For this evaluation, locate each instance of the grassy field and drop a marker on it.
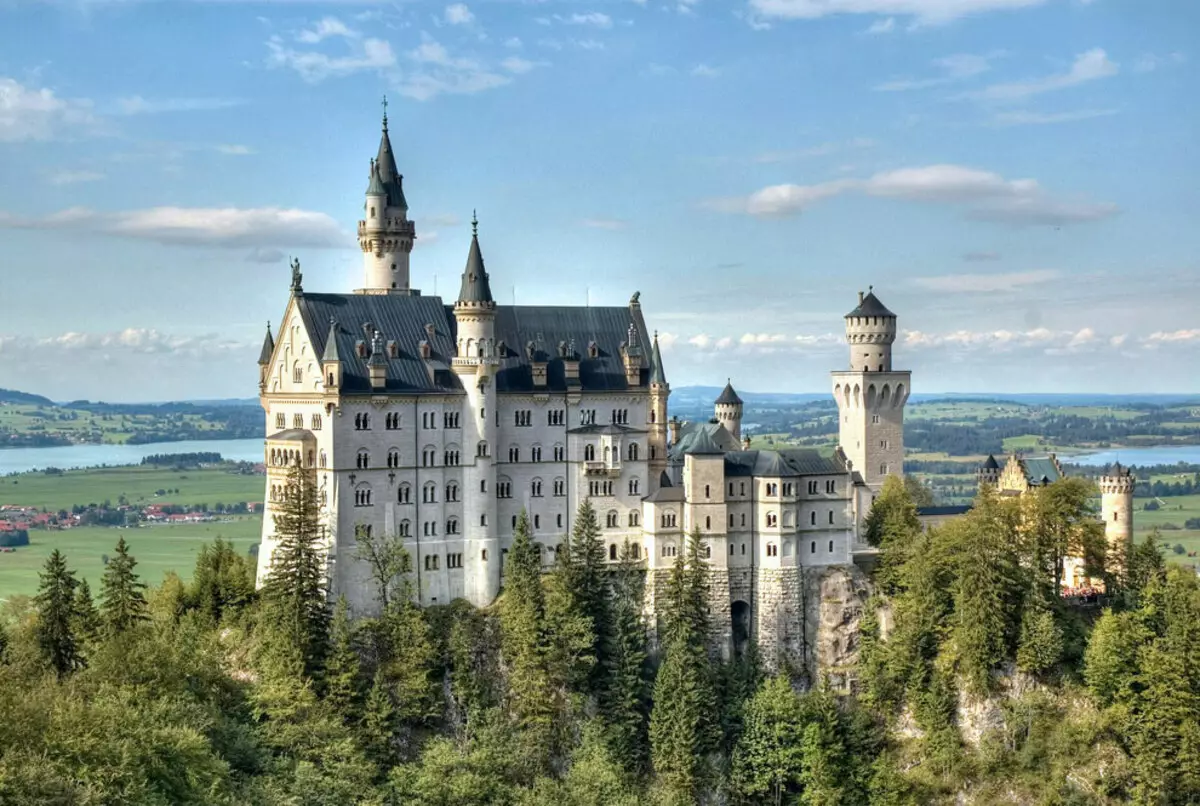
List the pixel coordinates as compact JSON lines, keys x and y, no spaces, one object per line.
{"x":157,"y":549}
{"x":137,"y":483}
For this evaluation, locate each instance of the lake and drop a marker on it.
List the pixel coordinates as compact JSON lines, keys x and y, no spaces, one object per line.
{"x":19,"y":460}
{"x":1167,"y":455}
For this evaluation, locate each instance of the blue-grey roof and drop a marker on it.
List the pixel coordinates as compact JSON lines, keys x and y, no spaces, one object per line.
{"x":331,"y":349}
{"x":947,"y":510}
{"x":665,"y":494}
{"x":690,"y":432}
{"x":728,"y":396}
{"x":782,"y":463}
{"x":375,"y":186}
{"x":612,"y":429}
{"x":389,"y":174}
{"x":870,"y":306}
{"x":475,"y":286}
{"x":403,"y":319}
{"x":268,"y":348}
{"x":558,"y":326}
{"x":1040,"y":471}
{"x":991,"y":463}
{"x":657,"y":374}
{"x":704,"y":445}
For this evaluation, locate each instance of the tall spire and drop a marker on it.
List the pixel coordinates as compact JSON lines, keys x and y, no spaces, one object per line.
{"x":475,"y":286}
{"x":268,"y":348}
{"x":331,"y":348}
{"x":385,"y":164}
{"x":657,"y":374}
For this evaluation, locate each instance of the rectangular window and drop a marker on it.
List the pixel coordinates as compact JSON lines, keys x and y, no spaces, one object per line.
{"x":812,"y":487}
{"x":830,"y":486}
{"x":874,"y":419}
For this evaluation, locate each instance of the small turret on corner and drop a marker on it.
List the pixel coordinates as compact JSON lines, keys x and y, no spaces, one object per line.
{"x":988,"y":472}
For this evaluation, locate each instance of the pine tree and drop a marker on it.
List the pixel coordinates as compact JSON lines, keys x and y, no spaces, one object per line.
{"x":296,"y":609}
{"x":624,"y":699}
{"x":892,"y":525}
{"x":56,"y":615}
{"x":583,"y":571}
{"x":87,"y":619}
{"x":523,"y":624}
{"x":379,"y":722}
{"x":223,"y":581}
{"x":768,"y":760}
{"x":1041,"y":644}
{"x":1061,"y":522}
{"x":343,"y":683}
{"x":1145,"y":565}
{"x":412,"y":661}
{"x":1111,"y":661}
{"x":825,"y":763}
{"x":122,"y":601}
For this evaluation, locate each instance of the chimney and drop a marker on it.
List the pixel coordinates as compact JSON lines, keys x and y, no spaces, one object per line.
{"x":674,"y":424}
{"x":860,"y":298}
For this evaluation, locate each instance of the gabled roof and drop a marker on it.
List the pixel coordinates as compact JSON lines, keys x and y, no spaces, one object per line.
{"x":728,"y":396}
{"x":475,"y":286}
{"x":704,"y":445}
{"x":789,"y":462}
{"x":1040,"y":471}
{"x":268,"y":348}
{"x":870,"y":305}
{"x":690,"y":432}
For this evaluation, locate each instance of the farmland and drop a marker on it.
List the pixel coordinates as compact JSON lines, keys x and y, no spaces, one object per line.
{"x":135,"y":484}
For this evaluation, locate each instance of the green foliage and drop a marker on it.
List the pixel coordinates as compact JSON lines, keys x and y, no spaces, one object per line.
{"x":1061,"y":522}
{"x":1111,"y":662}
{"x":122,"y":597}
{"x":625,"y":695}
{"x":296,"y":612}
{"x":87,"y":618}
{"x":1041,"y":643}
{"x":343,"y":673}
{"x":768,"y":761}
{"x":57,"y":616}
{"x":893,"y":527}
{"x":581,"y":575}
{"x":378,"y":729}
{"x":595,"y":777}
{"x":223,"y":581}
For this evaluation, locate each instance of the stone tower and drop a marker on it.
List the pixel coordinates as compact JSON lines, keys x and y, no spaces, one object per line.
{"x":660,"y":391}
{"x":264,"y":360}
{"x":988,"y":472}
{"x":385,"y":234}
{"x":476,"y":364}
{"x":1116,"y":507}
{"x":728,"y":410}
{"x":871,"y":395}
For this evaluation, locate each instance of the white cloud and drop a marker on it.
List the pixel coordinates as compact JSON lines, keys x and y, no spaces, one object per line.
{"x":74,"y":177}
{"x":987,"y":196}
{"x":1088,"y":66}
{"x":27,"y":113}
{"x":591,"y":18}
{"x":134,"y":341}
{"x":1025,"y":118}
{"x":985,"y":283}
{"x":757,"y":343}
{"x":605,"y":223}
{"x":704,"y":71}
{"x":882,"y":25}
{"x":1161,"y":337}
{"x":264,"y":254}
{"x":517,"y":65}
{"x":956,"y":67}
{"x":923,"y":11}
{"x":324,"y":29}
{"x":1003,"y":341}
{"x":458,"y":14}
{"x":137,"y":105}
{"x":314,"y":66}
{"x":439,"y":72}
{"x":198,"y":226}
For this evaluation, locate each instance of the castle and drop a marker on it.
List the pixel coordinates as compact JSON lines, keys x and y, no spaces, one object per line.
{"x":439,"y":422}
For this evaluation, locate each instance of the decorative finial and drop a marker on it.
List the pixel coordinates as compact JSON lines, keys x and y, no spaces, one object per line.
{"x":474,"y":224}
{"x":385,"y":113}
{"x":870,"y":289}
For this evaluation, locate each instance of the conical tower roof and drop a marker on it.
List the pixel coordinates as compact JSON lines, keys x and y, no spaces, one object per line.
{"x":869,"y":305}
{"x":375,"y":186}
{"x":385,"y":164}
{"x":331,"y":348}
{"x":728,"y":396}
{"x":657,"y":374}
{"x":991,"y":463}
{"x":475,"y":286}
{"x":268,"y":348}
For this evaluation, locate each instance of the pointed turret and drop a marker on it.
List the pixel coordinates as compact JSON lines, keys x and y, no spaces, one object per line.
{"x":728,"y":409}
{"x":385,"y":234}
{"x":331,"y":359}
{"x":385,"y":163}
{"x":331,"y":348}
{"x":728,"y":396}
{"x":375,"y":186}
{"x":475,"y":287}
{"x":657,"y":373}
{"x":268,"y":348}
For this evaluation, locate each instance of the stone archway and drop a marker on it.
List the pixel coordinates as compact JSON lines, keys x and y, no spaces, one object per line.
{"x":739,"y":613}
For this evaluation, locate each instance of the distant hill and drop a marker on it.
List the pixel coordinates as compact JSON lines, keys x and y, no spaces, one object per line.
{"x":705,"y":395}
{"x":24,"y":398}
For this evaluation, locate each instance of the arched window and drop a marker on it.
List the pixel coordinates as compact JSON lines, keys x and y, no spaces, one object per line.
{"x":404,"y":494}
{"x":364,"y":459}
{"x":362,"y":495}
{"x":730,"y":520}
{"x":589,"y":453}
{"x":812,"y":518}
{"x":634,"y":519}
{"x":610,"y":520}
{"x":772,"y":519}
{"x":393,"y":458}
{"x":708,"y":552}
{"x":612,"y":551}
{"x":452,"y":491}
{"x":406,"y":528}
{"x":707,"y":522}
{"x":481,"y":450}
{"x":429,"y":493}
{"x":535,"y":488}
{"x":633,"y":451}
{"x":452,"y":526}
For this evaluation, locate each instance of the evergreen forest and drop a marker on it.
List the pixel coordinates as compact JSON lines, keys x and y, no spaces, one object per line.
{"x":976,"y":681}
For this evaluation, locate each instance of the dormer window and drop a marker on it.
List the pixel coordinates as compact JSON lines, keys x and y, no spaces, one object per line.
{"x":593,"y":350}
{"x":360,"y":348}
{"x":393,"y":349}
{"x":425,"y":349}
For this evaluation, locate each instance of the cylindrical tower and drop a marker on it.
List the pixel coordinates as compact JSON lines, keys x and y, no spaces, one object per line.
{"x":870,"y":332}
{"x":476,"y":364}
{"x":728,"y":410}
{"x":1116,"y":508}
{"x":385,"y":234}
{"x":660,"y":391}
{"x":988,"y":472}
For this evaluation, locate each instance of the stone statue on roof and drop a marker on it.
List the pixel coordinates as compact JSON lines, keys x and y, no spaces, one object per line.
{"x":297,"y":277}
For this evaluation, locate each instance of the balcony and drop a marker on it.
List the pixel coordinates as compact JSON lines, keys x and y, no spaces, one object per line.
{"x":599,"y":468}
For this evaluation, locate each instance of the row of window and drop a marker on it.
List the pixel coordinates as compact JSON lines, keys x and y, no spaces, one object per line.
{"x":522,"y":418}
{"x":298,"y":421}
{"x":772,"y":488}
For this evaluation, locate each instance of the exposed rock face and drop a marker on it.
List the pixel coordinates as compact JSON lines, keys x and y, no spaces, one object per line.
{"x":834,"y":615}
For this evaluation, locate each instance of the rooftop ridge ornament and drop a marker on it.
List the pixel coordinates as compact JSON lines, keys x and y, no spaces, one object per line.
{"x":474,"y":224}
{"x":385,"y":128}
{"x":297,"y":277}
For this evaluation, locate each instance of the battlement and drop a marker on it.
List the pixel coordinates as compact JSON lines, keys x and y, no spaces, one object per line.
{"x":1119,"y":482}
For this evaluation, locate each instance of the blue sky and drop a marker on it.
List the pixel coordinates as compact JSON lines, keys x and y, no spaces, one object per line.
{"x":1017,"y":178}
